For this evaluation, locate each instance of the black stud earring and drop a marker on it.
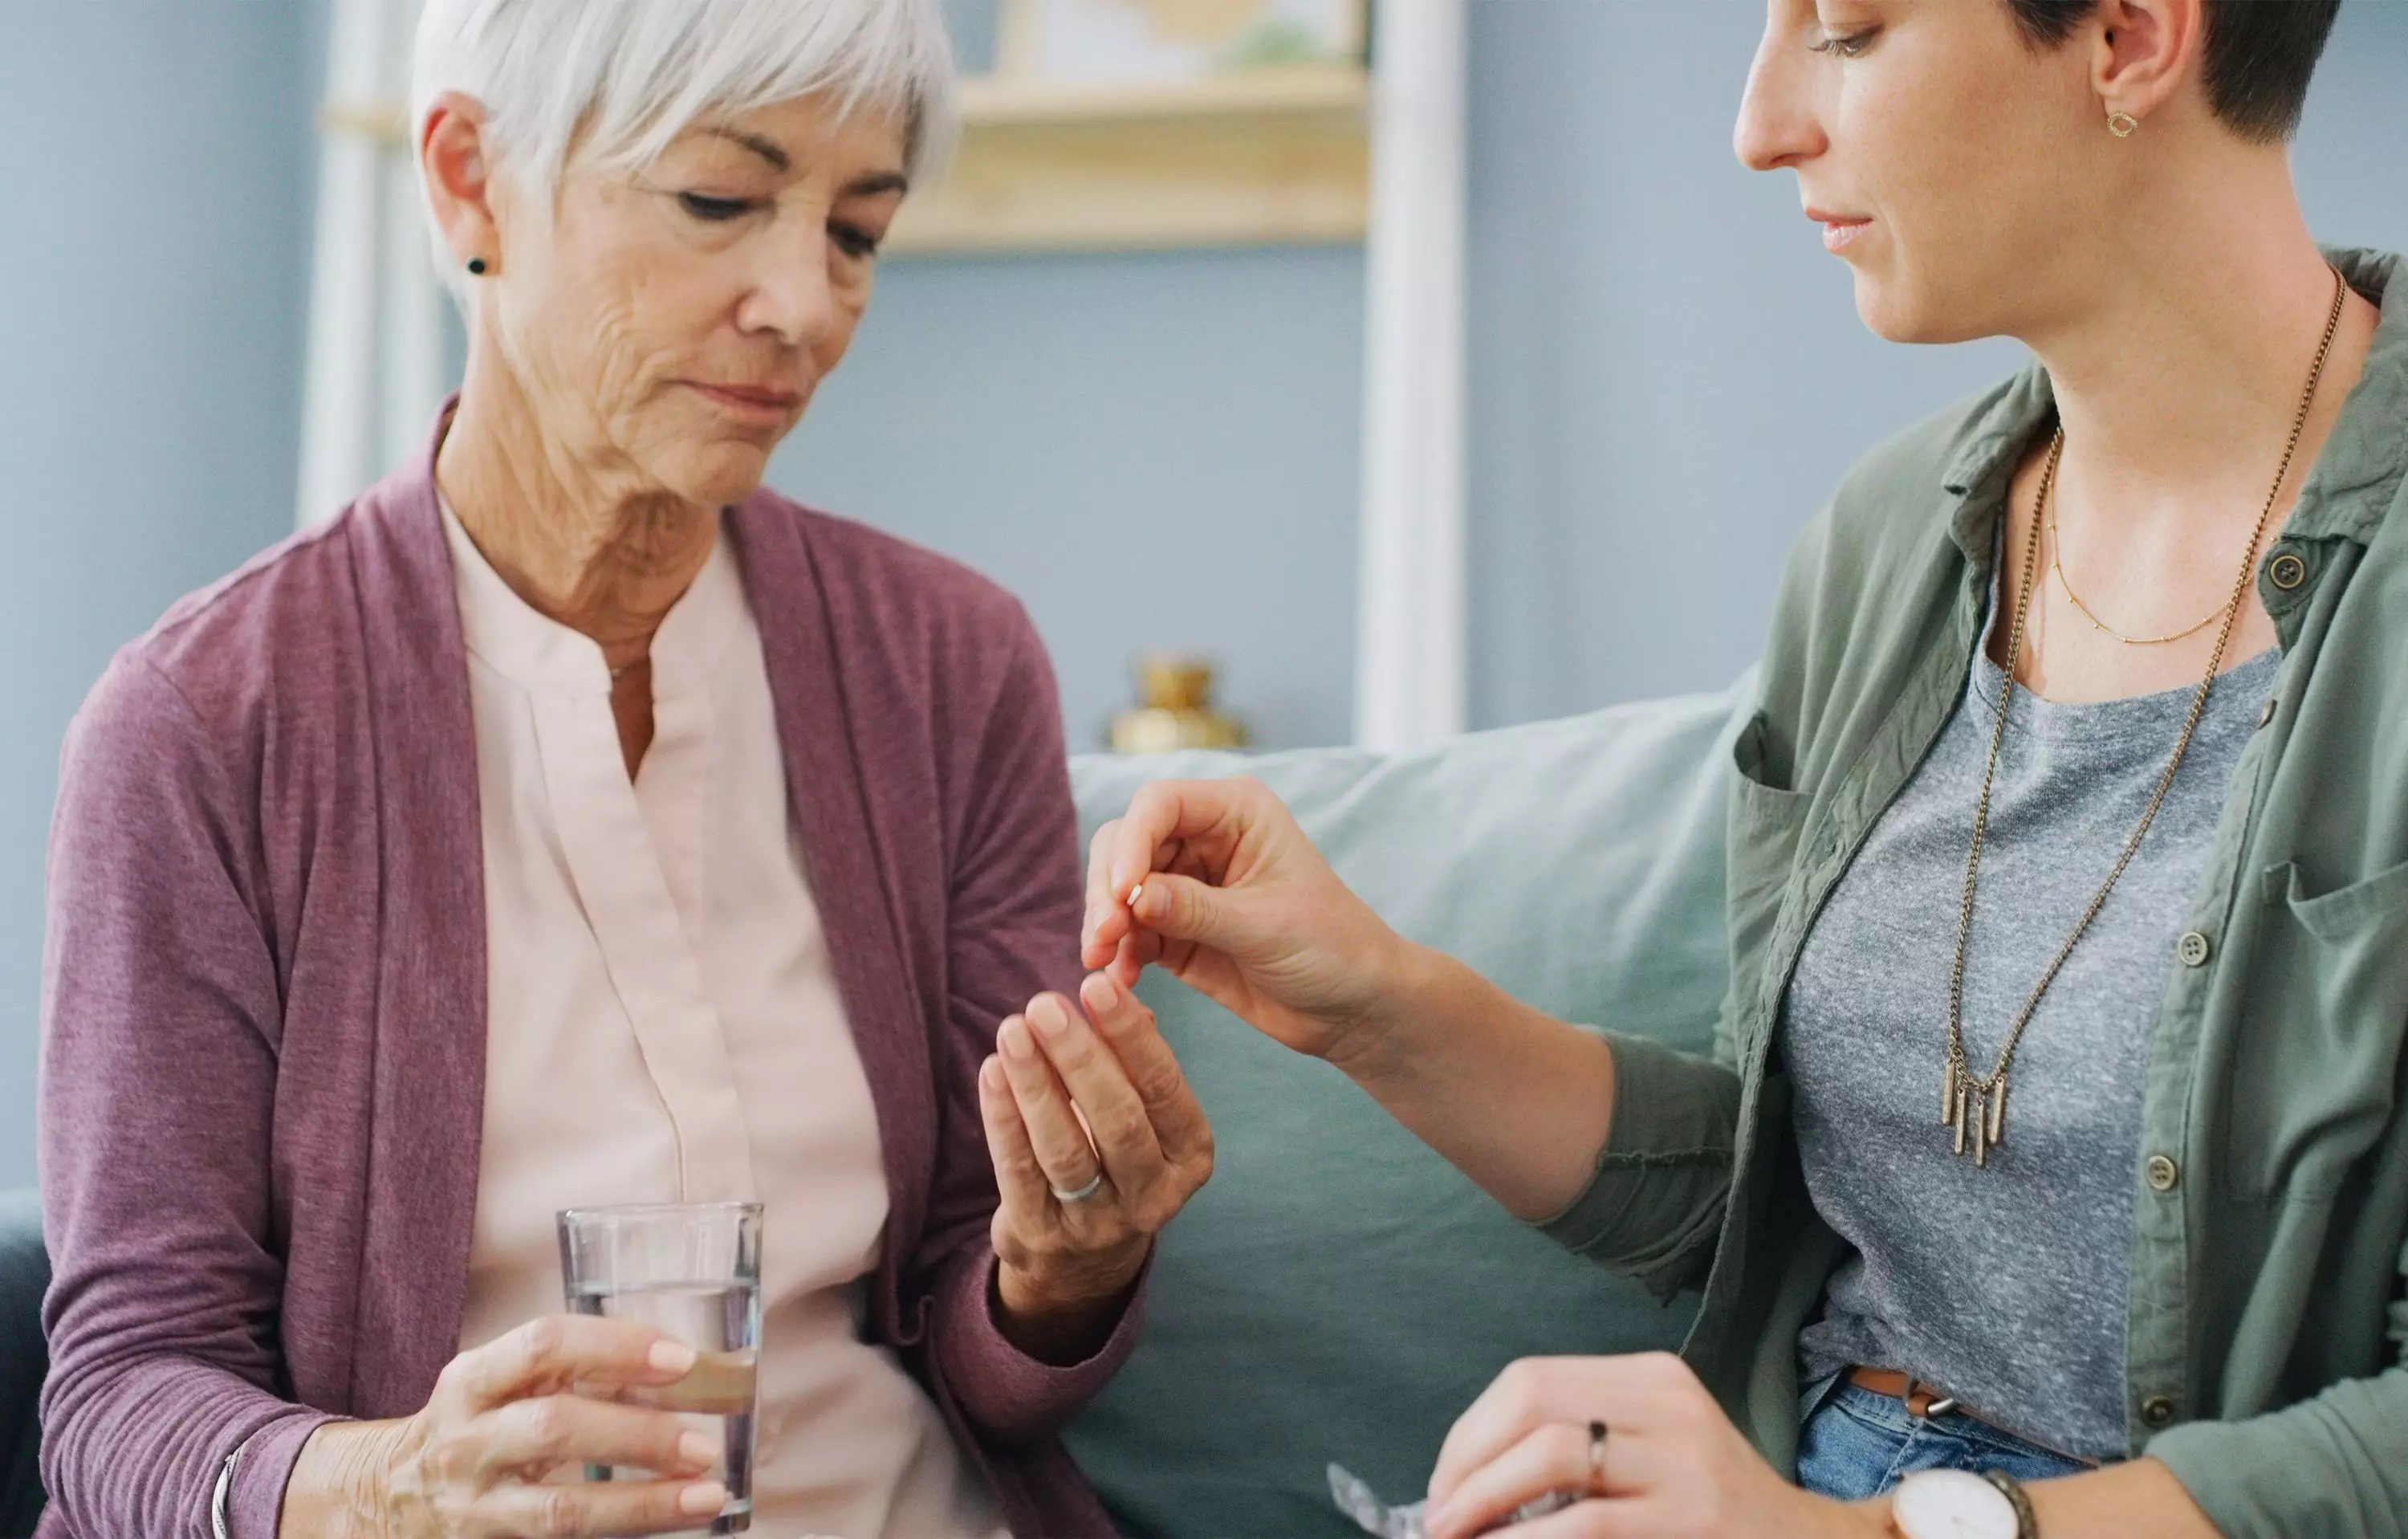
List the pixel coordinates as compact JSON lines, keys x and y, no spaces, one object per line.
{"x":476,"y":266}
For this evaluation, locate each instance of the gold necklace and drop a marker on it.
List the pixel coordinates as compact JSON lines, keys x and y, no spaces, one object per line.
{"x":2056,"y":569}
{"x":1976,"y":1108}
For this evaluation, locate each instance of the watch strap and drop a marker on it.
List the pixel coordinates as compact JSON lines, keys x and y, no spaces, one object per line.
{"x":2026,"y":1526}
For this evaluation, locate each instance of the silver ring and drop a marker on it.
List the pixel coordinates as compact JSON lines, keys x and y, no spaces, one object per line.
{"x":1083,"y":1194}
{"x":1597,"y":1459}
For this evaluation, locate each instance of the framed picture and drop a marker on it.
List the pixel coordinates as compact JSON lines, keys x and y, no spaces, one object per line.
{"x":1122,"y":42}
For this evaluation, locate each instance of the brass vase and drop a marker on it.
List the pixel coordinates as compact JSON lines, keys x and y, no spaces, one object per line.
{"x":1175,"y":708}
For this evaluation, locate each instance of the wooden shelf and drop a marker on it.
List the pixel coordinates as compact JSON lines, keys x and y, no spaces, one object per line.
{"x":988,"y":101}
{"x":1269,"y":157}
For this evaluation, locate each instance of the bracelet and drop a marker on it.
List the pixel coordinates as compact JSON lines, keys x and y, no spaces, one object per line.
{"x":219,"y":1523}
{"x":2027,"y":1525}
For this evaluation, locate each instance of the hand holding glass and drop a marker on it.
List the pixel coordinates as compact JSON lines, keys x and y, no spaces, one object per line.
{"x":692,"y":1272}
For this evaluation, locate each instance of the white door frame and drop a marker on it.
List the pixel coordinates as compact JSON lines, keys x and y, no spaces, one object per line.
{"x":1412,"y":646}
{"x":375,"y":369}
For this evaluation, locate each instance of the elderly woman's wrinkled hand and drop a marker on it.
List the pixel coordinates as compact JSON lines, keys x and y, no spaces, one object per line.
{"x":502,"y":1418}
{"x":1097,"y":1143}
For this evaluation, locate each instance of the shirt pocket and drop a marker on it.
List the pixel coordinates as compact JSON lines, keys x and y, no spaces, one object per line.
{"x":1767,"y":821}
{"x":2316,"y":1066}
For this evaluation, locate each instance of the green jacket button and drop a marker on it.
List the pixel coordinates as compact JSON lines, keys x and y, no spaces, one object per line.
{"x":2163,"y":1173}
{"x":2193,"y":949}
{"x":2157,"y":1411}
{"x":2287,"y":570}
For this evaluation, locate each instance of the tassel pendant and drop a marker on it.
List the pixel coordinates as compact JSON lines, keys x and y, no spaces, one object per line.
{"x":1974,"y":1113}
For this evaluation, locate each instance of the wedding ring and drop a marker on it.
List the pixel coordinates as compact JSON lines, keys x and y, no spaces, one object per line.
{"x":1085,"y":1193}
{"x":1597,"y":1459}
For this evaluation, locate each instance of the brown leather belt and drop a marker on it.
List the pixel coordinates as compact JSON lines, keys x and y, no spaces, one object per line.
{"x":1926,"y":1399}
{"x":1921,"y":1400}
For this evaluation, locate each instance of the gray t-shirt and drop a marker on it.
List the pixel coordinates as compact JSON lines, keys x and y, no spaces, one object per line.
{"x":2007,"y":1285}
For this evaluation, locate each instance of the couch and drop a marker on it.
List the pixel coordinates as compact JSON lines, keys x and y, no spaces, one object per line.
{"x":25,"y":1273}
{"x":1338,"y":1293}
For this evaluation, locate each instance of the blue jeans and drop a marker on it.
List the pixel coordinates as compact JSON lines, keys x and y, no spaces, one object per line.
{"x":1855,"y":1444}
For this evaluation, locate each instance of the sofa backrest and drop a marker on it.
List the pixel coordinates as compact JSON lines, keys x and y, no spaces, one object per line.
{"x":24,"y":1275}
{"x":1338,"y":1293}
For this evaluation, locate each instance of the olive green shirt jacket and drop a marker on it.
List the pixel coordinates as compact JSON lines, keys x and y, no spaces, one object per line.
{"x":2266,"y":1336}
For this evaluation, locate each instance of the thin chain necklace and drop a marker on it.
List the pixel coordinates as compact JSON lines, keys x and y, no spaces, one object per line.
{"x":1976,"y":1108}
{"x":2056,"y":569}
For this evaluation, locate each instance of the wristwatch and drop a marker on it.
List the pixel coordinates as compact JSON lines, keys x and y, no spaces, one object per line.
{"x":1957,"y":1504}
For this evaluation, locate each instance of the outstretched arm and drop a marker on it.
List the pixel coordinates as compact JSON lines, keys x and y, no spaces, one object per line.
{"x":1214,"y":881}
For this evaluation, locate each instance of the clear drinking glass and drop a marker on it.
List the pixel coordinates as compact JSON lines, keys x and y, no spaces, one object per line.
{"x":692,"y":1272}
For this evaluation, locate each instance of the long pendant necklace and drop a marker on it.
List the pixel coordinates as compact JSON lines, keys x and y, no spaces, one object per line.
{"x":1972,"y":1107}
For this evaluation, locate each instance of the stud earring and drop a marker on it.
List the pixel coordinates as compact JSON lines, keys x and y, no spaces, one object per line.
{"x":476,"y":266}
{"x":2121,"y":124}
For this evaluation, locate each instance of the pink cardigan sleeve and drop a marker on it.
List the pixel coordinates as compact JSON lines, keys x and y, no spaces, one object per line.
{"x":1015,"y":904}
{"x":160,"y":1011}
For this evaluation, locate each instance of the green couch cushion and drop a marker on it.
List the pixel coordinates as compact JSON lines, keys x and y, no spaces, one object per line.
{"x":1339,"y":1292}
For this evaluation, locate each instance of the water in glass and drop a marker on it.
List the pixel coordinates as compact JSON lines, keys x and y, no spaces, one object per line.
{"x":722,"y":1321}
{"x":692,"y":1273}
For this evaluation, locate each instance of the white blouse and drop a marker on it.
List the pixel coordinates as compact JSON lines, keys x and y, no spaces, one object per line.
{"x":665,"y":1027}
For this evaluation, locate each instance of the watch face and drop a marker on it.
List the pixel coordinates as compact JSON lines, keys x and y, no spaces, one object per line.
{"x":1950,"y":1505}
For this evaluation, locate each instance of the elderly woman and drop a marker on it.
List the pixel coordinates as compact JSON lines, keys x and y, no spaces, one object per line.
{"x":2055,"y":1156}
{"x":573,"y":821}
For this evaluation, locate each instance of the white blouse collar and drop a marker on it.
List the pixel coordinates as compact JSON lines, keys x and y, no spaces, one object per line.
{"x":540,"y":653}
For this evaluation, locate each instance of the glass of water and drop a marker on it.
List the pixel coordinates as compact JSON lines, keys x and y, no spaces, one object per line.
{"x":692,"y":1272}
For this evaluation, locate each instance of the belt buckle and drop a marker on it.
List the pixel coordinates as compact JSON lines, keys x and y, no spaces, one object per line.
{"x":1931,"y":1402}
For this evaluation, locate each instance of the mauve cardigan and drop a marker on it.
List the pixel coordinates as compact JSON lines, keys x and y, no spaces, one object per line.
{"x":264,"y":994}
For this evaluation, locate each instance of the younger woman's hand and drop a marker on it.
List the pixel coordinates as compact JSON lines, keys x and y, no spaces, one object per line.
{"x":1214,"y":881}
{"x":1671,"y":1465}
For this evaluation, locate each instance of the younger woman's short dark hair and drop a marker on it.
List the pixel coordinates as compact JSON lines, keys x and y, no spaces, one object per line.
{"x":2260,"y":54}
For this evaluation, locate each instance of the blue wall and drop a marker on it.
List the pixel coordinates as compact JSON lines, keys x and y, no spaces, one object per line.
{"x":1656,"y":326}
{"x":2352,"y":155}
{"x":1667,"y":372}
{"x":156,"y":174}
{"x":1156,"y":450}
{"x":1151,"y":450}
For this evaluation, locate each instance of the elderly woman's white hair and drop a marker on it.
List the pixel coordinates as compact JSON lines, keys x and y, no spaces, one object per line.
{"x":621,"y":80}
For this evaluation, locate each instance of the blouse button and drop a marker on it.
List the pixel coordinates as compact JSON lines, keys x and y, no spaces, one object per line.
{"x":2157,"y":1411}
{"x":2192,"y":950}
{"x":2163,"y":1173}
{"x":2287,"y":570}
